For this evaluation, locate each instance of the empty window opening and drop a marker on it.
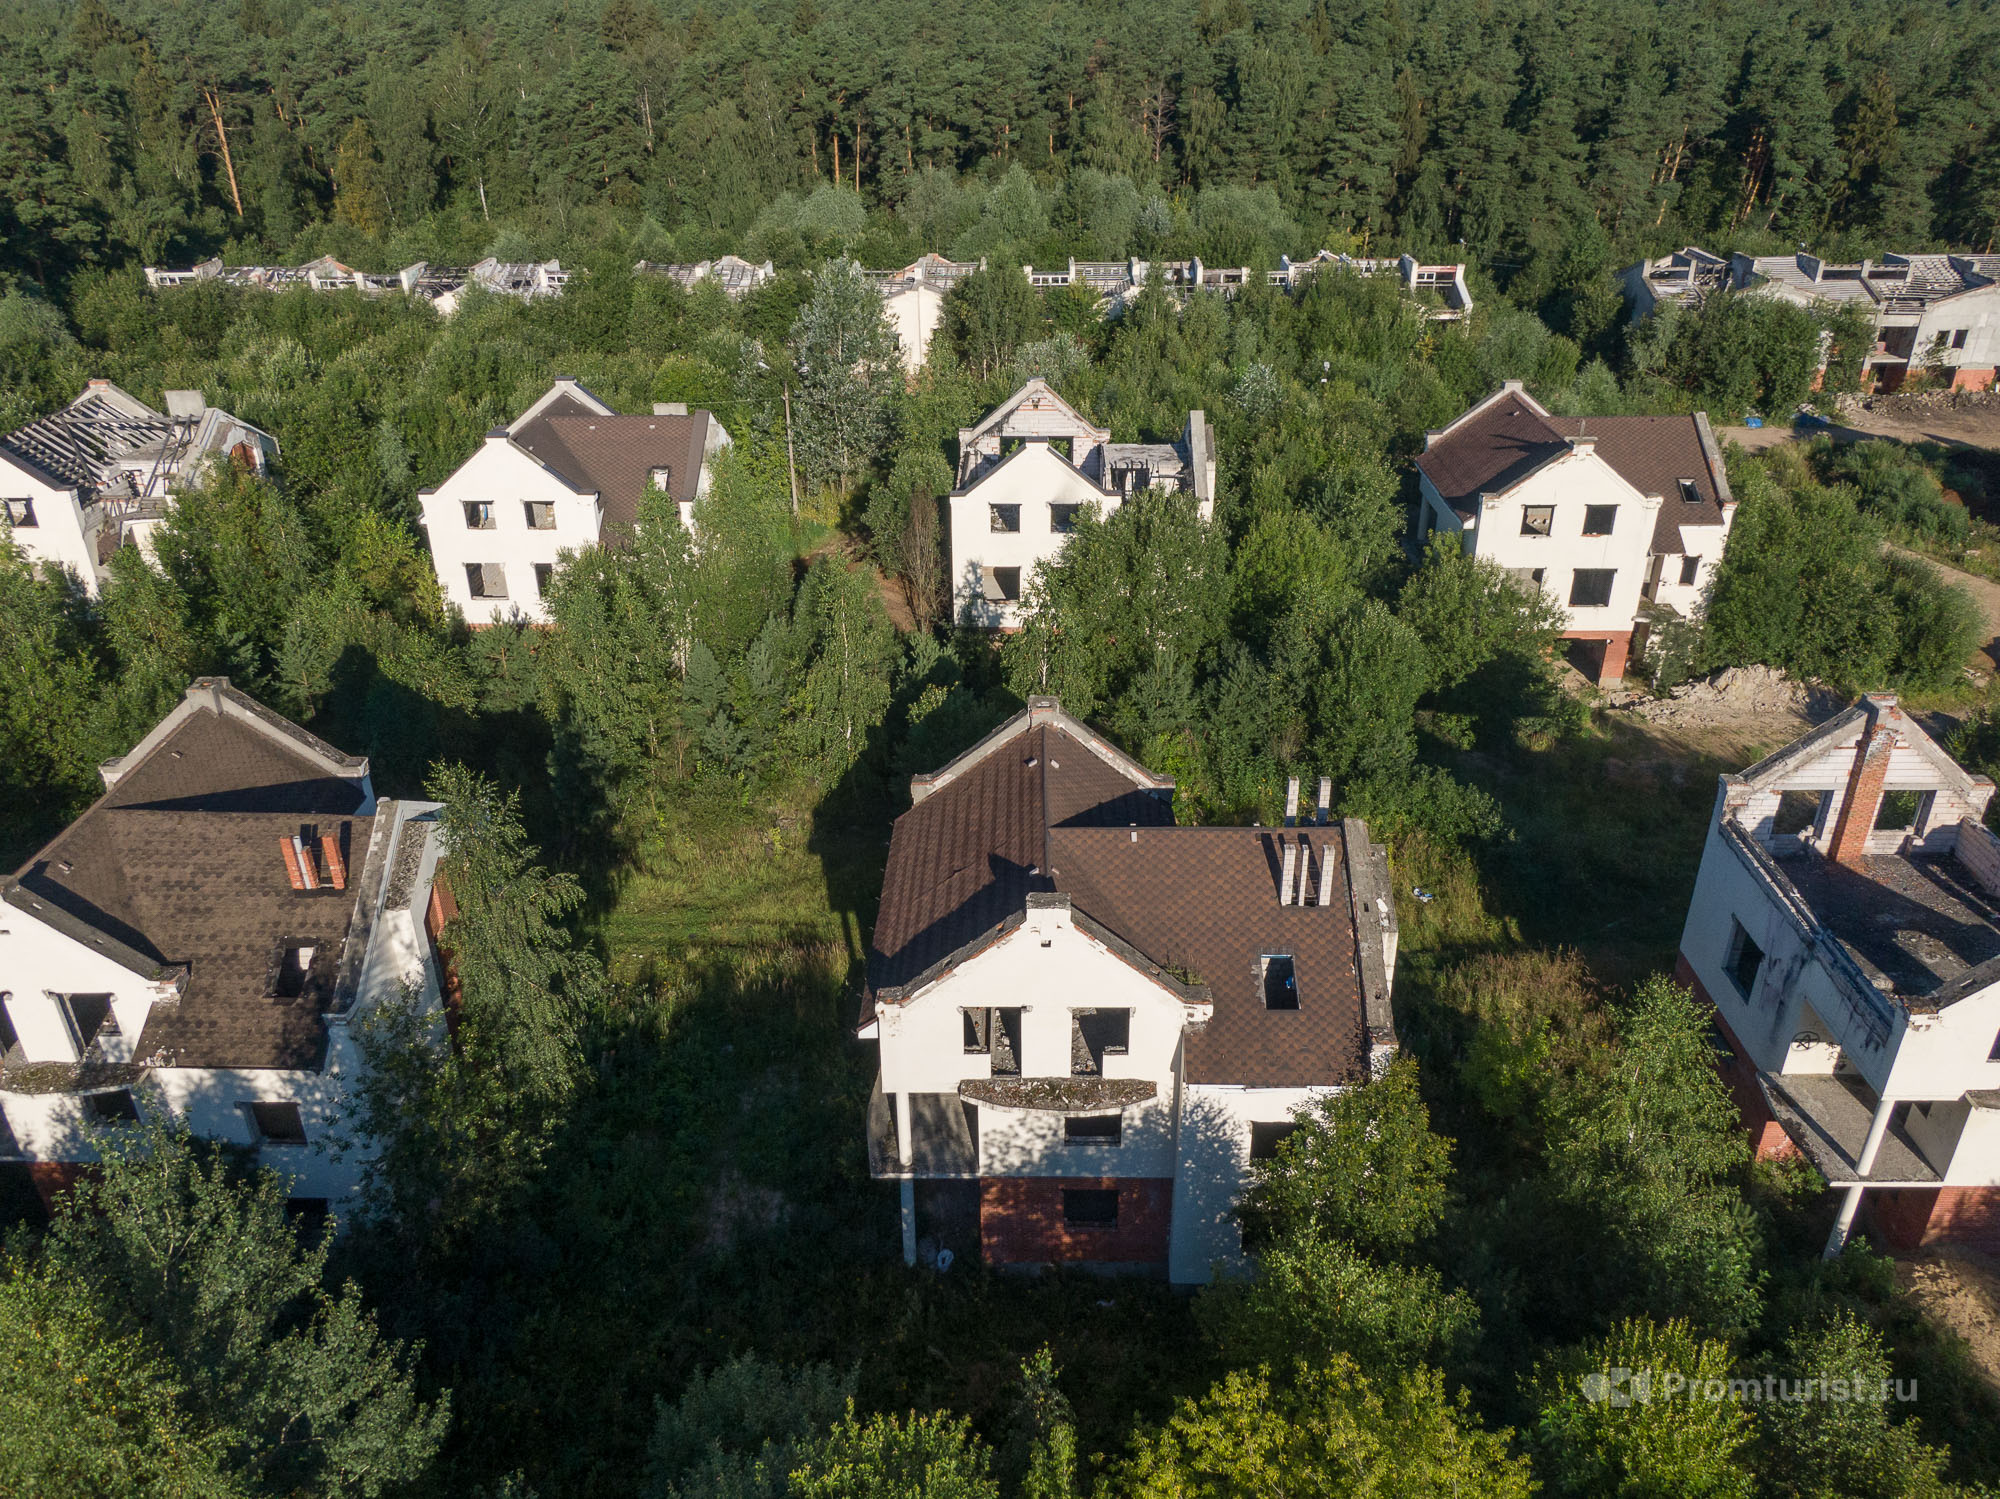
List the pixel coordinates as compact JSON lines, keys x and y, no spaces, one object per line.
{"x":486,"y":580}
{"x":1898,"y":812}
{"x":1994,"y":1054}
{"x":1531,"y":576}
{"x":1093,"y":1129}
{"x":978,"y":1031}
{"x":1745,"y":959}
{"x":1003,"y":584}
{"x":541,"y":514}
{"x":1005,"y":1034}
{"x":1062,"y":518}
{"x":661,"y":479}
{"x":1690,"y":492}
{"x":1958,"y":338}
{"x":545,"y":574}
{"x":1798,"y":812}
{"x":478,"y":515}
{"x":21,"y":514}
{"x":1131,"y":478}
{"x":115,"y":1107}
{"x":1590,"y":587}
{"x":1690,"y":570}
{"x":277,"y":1123}
{"x":294,"y":964}
{"x":1599,"y":519}
{"x":1094,"y":1035}
{"x":1266,"y":1138}
{"x":1090,"y":1207}
{"x":1003,"y":517}
{"x":89,"y":1016}
{"x":1280,"y":981}
{"x":1537,"y":520}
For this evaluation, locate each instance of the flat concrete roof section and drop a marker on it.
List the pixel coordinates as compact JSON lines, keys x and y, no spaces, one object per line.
{"x":1914,"y":924}
{"x":1828,"y":1117}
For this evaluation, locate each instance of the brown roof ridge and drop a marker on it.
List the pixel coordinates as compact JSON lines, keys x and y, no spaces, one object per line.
{"x":1040,"y":712}
{"x":215,"y":695}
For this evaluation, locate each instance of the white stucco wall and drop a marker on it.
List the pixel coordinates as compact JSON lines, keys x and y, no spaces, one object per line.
{"x":1047,"y":968}
{"x":1034,"y":478}
{"x":1570,"y":484}
{"x":58,"y":535}
{"x":915,"y":310}
{"x":38,"y":963}
{"x":508,"y":478}
{"x":1211,"y":1167}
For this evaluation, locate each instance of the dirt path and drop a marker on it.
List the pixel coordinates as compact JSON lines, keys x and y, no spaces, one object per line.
{"x":1985,"y":593}
{"x":1960,"y":1290}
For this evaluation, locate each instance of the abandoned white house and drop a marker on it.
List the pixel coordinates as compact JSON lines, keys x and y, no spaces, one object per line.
{"x":1939,"y":313}
{"x":1116,"y":281}
{"x":81,"y":482}
{"x":1620,"y":519}
{"x":442,"y":286}
{"x":566,"y":474}
{"x":1028,"y":470}
{"x":736,"y":276}
{"x":1091,"y":1020}
{"x":202,"y":940}
{"x":1845,"y":927}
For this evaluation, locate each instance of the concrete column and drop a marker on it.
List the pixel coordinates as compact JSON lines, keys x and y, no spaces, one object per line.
{"x":909,"y":1221}
{"x":1842,"y":1226}
{"x":905,"y":1149}
{"x":1878,"y":1128}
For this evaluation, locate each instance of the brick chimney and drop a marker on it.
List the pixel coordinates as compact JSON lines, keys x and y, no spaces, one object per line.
{"x":1863,"y":801}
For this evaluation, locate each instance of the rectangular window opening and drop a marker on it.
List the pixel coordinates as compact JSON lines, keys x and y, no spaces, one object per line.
{"x":1745,"y":959}
{"x":115,"y":1107}
{"x":1690,"y":570}
{"x":486,"y":580}
{"x":1280,"y":981}
{"x":1994,"y":1054}
{"x":1538,"y":520}
{"x":541,"y":514}
{"x":1062,"y":518}
{"x":294,"y":964}
{"x":1090,"y":1207}
{"x":1798,"y":812}
{"x":1093,"y":1129}
{"x":1266,"y":1138}
{"x":1898,"y":812}
{"x":277,"y":1123}
{"x":545,"y":573}
{"x":1003,"y":517}
{"x":1958,"y":338}
{"x":1005,"y":1035}
{"x":478,"y":515}
{"x":89,"y":1017}
{"x":1003,"y":584}
{"x":978,"y":1031}
{"x":21,"y":514}
{"x":1599,"y":519}
{"x":1590,"y":587}
{"x":1094,"y":1035}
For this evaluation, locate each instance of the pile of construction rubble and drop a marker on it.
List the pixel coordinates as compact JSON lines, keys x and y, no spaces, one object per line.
{"x":1738,"y":693}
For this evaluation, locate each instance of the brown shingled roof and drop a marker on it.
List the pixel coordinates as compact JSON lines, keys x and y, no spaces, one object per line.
{"x":1653,"y":454}
{"x":1038,"y":810}
{"x":615,"y":455}
{"x":177,"y":866}
{"x":1492,"y":450}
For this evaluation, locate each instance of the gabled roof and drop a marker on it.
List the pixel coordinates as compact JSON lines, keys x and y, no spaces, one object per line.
{"x":1021,"y":455}
{"x":1044,"y":806}
{"x":1509,"y":436}
{"x":614,"y":456}
{"x":175,"y":873}
{"x":1041,"y":396}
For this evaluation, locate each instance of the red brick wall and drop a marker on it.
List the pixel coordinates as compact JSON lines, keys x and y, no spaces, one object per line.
{"x":1968,"y":1216}
{"x":1021,"y":1221}
{"x":1900,"y":1215}
{"x":1767,"y":1136}
{"x":1864,"y":793}
{"x":1616,"y":649}
{"x":54,"y":1178}
{"x":1969,"y":377}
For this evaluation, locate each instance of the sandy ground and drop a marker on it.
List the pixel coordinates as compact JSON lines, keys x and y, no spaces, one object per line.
{"x":1960,"y":1289}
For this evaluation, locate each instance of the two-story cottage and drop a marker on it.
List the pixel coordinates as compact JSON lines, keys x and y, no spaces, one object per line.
{"x":1028,"y":470}
{"x":1845,"y":927}
{"x":81,"y":482}
{"x":1618,"y":518}
{"x":201,"y":940}
{"x":1091,"y":1020}
{"x":566,"y":474}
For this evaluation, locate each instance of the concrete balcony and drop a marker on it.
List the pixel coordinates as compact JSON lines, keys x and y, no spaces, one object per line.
{"x":1829,"y":1117}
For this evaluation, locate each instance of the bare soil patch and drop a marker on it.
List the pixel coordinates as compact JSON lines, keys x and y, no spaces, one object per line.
{"x":1734,"y":712}
{"x":1954,"y":418}
{"x":1959,"y":1289}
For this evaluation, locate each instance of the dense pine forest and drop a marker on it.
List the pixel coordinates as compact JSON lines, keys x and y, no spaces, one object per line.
{"x":621,"y":1239}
